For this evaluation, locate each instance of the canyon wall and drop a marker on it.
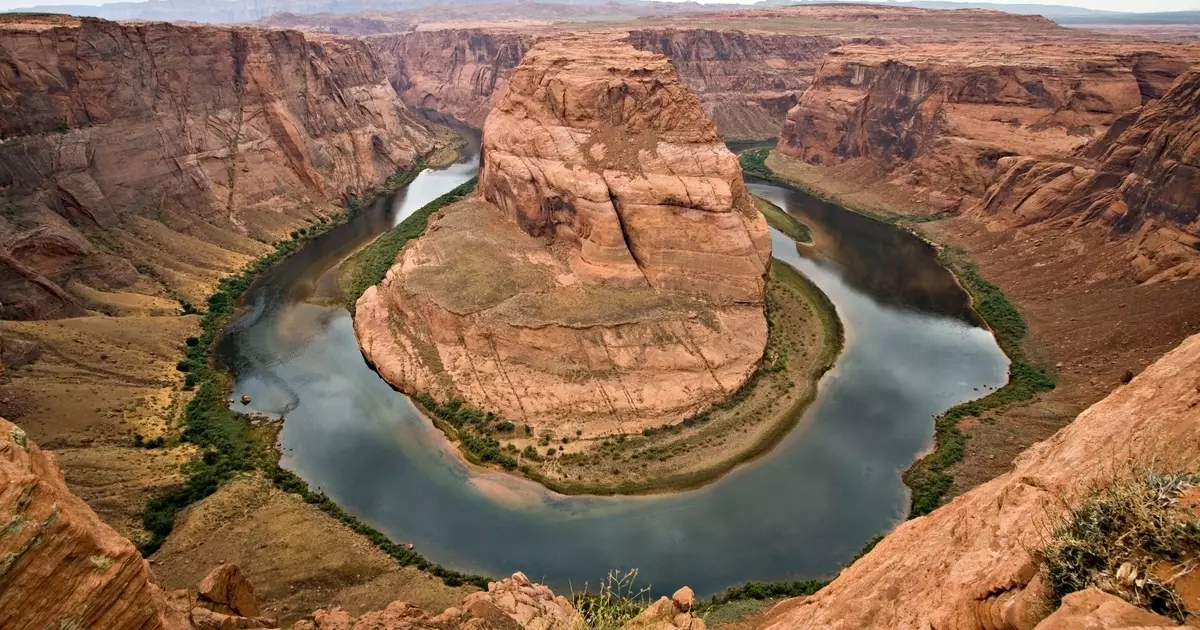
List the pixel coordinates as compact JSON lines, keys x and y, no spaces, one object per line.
{"x":969,"y":564}
{"x":937,"y":127}
{"x":140,"y":162}
{"x":747,"y":82}
{"x":1140,"y":180}
{"x":610,"y":275}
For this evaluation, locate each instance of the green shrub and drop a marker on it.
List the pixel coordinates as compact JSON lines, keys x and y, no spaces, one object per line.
{"x":1118,"y":535}
{"x":370,"y":265}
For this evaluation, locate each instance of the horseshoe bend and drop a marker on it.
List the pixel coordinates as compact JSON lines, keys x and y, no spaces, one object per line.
{"x":491,"y":315}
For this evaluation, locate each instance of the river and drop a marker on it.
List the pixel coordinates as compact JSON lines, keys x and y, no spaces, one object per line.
{"x":912,"y":350}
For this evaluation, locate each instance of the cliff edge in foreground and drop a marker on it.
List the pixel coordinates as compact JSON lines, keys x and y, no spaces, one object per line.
{"x":968,"y":565}
{"x":610,"y":275}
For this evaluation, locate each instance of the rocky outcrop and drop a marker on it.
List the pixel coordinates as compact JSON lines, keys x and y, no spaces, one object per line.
{"x":610,"y":275}
{"x":968,"y":566}
{"x":60,"y":565}
{"x":1138,"y":182}
{"x":152,"y":158}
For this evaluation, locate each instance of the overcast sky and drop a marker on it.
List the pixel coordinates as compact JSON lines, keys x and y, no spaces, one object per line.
{"x":1110,"y":5}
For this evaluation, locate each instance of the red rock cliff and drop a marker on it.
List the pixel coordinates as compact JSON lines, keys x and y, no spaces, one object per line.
{"x":153,"y":158}
{"x":1140,"y":182}
{"x":933,"y":119}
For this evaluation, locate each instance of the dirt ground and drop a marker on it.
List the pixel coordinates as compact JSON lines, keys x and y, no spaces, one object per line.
{"x":298,"y":558}
{"x":1087,"y":318}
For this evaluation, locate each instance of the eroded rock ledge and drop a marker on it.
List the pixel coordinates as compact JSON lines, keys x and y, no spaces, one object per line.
{"x":610,"y":275}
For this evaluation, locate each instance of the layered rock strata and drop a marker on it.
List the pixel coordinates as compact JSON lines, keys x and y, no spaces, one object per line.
{"x":948,"y":127}
{"x":968,"y":565}
{"x":609,"y":276}
{"x":150,"y":159}
{"x":1140,"y":182}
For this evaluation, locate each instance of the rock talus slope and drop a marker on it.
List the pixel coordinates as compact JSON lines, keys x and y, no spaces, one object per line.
{"x":611,"y":274}
{"x":967,"y":565}
{"x":152,"y":158}
{"x":1141,"y":180}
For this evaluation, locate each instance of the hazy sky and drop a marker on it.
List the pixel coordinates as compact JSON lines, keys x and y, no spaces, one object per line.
{"x":1110,"y":5}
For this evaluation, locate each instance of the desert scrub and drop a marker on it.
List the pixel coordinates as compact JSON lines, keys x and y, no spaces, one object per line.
{"x":754,"y":161}
{"x":928,"y":478}
{"x":1128,"y":538}
{"x":369,"y":266}
{"x":617,"y":600}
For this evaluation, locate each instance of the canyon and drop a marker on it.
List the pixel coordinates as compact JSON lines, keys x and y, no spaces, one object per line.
{"x":140,"y":163}
{"x":617,"y":224}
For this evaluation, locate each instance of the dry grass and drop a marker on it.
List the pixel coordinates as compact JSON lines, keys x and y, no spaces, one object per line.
{"x":1118,"y":537}
{"x":617,"y":599}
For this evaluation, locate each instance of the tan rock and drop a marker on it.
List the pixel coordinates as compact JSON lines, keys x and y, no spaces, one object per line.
{"x":966,"y":566}
{"x":611,"y":284}
{"x":226,"y":590}
{"x":1093,"y":609}
{"x":667,"y":614}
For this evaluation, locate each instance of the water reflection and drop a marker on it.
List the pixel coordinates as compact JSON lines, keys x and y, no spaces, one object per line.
{"x":799,"y":512}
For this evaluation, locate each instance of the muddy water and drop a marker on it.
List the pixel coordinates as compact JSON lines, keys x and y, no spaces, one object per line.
{"x":912,"y":350}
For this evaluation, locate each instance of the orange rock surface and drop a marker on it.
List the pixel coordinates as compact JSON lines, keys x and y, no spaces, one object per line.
{"x":60,"y":565}
{"x":614,"y":281}
{"x":967,"y":565}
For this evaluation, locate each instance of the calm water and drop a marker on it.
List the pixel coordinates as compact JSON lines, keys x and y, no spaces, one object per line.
{"x":911,"y":352}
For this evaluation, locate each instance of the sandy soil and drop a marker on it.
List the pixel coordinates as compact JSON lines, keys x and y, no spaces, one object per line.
{"x":298,"y":558}
{"x":1087,"y":318}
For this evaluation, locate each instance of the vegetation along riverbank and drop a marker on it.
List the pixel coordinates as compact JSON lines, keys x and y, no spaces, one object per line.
{"x":929,"y":478}
{"x":229,"y":444}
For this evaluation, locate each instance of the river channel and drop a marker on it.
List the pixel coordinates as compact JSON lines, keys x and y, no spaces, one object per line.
{"x":913,"y":349}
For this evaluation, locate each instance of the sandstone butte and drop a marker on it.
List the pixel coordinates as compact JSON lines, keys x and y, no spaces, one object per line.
{"x":966,"y":566}
{"x":610,"y":273}
{"x":139,"y":163}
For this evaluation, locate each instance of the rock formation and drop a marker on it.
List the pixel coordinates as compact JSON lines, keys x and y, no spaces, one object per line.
{"x":746,"y":82}
{"x":968,"y":566}
{"x":60,"y":565}
{"x":610,"y":275}
{"x":1140,"y":181}
{"x":152,"y":158}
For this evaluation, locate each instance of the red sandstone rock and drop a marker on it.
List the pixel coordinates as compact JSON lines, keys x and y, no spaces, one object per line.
{"x":616,"y":279}
{"x":1140,"y":182}
{"x":966,"y":566}
{"x":1094,"y":609}
{"x":61,"y":565}
{"x":226,"y":590}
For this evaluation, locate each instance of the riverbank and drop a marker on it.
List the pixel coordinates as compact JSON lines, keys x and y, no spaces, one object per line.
{"x":804,"y":339}
{"x":930,"y":478}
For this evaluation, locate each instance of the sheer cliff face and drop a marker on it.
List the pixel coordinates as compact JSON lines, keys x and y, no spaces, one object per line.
{"x":747,"y":81}
{"x":454,"y":71}
{"x":153,"y":158}
{"x":1139,"y":182}
{"x":968,"y":564}
{"x":609,"y":277}
{"x":934,"y":119}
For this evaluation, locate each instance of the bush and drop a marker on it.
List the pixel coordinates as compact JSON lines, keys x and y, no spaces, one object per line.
{"x":1119,"y":534}
{"x":371,"y":264}
{"x":193,"y":341}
